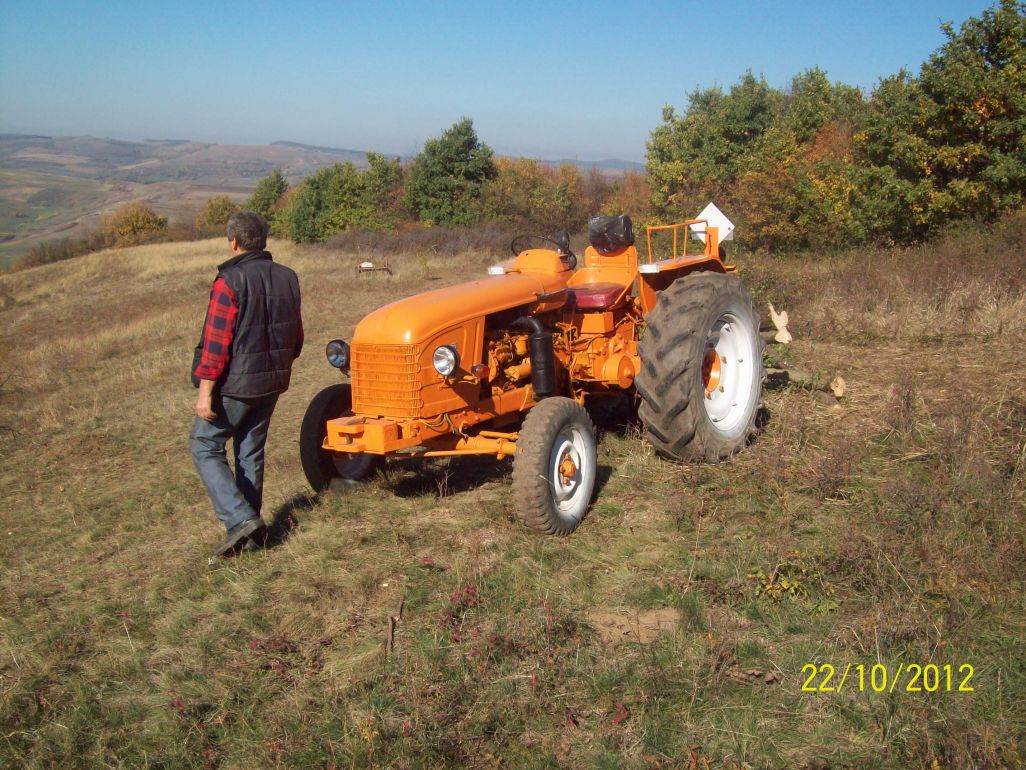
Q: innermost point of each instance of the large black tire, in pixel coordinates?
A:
(320, 466)
(555, 466)
(701, 369)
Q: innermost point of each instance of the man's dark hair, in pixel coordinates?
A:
(248, 229)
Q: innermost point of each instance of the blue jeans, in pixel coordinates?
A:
(236, 497)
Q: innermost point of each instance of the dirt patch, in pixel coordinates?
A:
(614, 628)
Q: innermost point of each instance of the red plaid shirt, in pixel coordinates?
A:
(219, 331)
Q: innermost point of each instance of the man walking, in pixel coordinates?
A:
(252, 333)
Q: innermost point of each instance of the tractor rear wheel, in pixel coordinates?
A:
(555, 466)
(321, 466)
(701, 369)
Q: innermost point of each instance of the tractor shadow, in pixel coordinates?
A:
(449, 476)
(618, 415)
(444, 477)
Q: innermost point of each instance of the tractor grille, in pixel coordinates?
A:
(386, 380)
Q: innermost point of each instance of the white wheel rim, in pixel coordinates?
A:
(729, 378)
(571, 471)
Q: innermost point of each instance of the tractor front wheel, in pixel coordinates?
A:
(555, 466)
(701, 369)
(321, 466)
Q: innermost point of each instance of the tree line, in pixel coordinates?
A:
(456, 181)
(822, 165)
(818, 165)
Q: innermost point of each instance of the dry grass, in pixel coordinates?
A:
(895, 517)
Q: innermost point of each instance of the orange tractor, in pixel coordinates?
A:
(504, 366)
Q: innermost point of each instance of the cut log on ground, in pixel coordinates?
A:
(775, 329)
(771, 336)
(778, 377)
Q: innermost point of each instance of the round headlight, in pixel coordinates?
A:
(446, 359)
(337, 352)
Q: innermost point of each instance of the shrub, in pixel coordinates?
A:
(632, 195)
(134, 223)
(341, 198)
(268, 192)
(447, 179)
(215, 213)
(488, 238)
(61, 249)
(530, 195)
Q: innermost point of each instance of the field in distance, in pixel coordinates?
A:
(55, 187)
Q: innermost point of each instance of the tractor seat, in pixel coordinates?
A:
(596, 296)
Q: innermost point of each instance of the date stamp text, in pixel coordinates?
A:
(879, 678)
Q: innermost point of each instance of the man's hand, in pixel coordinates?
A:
(204, 407)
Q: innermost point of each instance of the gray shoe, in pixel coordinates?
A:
(251, 529)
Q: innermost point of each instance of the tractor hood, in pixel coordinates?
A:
(416, 319)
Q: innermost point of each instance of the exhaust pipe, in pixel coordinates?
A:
(543, 358)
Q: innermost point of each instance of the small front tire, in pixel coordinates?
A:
(555, 467)
(320, 466)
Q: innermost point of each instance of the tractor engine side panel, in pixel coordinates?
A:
(400, 381)
(600, 349)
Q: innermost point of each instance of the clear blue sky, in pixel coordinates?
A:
(544, 79)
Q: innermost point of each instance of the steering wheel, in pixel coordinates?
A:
(562, 246)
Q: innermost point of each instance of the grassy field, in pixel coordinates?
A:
(39, 207)
(672, 630)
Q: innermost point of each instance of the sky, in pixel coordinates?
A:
(580, 80)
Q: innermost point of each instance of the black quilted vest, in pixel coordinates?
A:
(267, 330)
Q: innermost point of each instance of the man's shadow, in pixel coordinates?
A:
(285, 519)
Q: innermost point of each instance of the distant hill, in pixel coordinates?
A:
(607, 165)
(61, 186)
(183, 160)
(612, 166)
(354, 155)
(163, 160)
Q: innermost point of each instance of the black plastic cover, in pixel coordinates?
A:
(609, 234)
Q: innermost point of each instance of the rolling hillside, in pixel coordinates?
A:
(672, 630)
(55, 187)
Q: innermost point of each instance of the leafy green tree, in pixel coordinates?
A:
(268, 191)
(976, 86)
(693, 155)
(531, 195)
(813, 102)
(893, 160)
(341, 197)
(820, 165)
(383, 183)
(299, 219)
(950, 143)
(780, 161)
(448, 177)
(215, 213)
